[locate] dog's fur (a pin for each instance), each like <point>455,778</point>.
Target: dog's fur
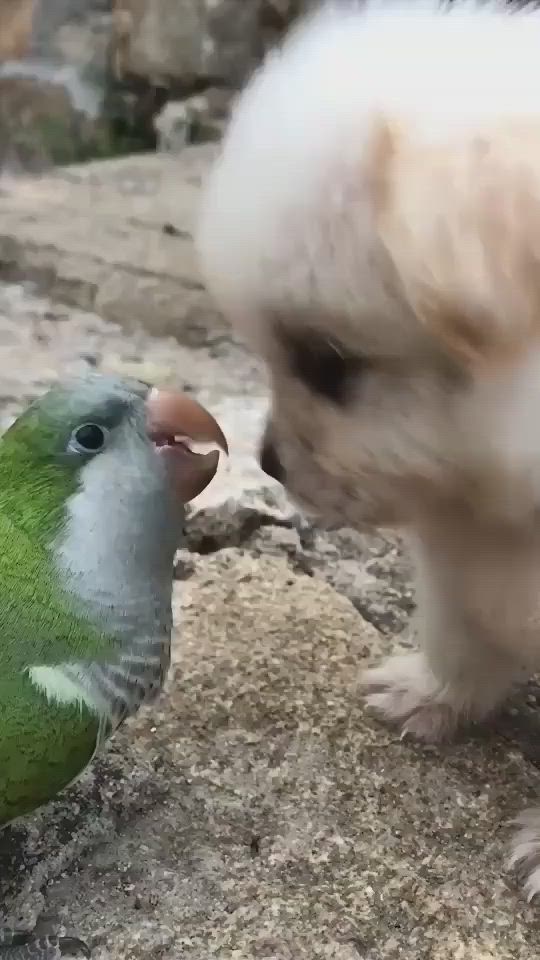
<point>373,228</point>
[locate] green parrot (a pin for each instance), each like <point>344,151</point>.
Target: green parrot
<point>93,480</point>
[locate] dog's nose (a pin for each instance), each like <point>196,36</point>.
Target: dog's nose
<point>270,462</point>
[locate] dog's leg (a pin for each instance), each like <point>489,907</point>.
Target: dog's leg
<point>525,851</point>
<point>466,664</point>
<point>478,627</point>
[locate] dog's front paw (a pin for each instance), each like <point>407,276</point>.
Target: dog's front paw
<point>525,851</point>
<point>403,688</point>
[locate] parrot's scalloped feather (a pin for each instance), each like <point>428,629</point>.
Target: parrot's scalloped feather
<point>64,654</point>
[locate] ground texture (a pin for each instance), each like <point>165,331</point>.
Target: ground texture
<point>258,811</point>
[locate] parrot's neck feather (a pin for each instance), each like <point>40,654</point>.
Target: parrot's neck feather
<point>114,557</point>
<point>109,690</point>
<point>62,689</point>
<point>59,688</point>
<point>116,548</point>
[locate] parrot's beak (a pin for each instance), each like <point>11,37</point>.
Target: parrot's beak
<point>177,425</point>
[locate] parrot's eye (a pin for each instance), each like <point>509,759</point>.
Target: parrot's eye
<point>88,438</point>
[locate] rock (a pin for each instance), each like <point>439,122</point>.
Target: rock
<point>159,40</point>
<point>199,52</point>
<point>75,33</point>
<point>238,36</point>
<point>43,122</point>
<point>52,94</point>
<point>125,251</point>
<point>64,60</point>
<point>117,63</point>
<point>83,46</point>
<point>178,43</point>
<point>197,119</point>
<point>16,17</point>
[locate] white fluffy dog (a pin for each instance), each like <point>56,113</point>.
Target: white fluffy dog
<point>372,226</point>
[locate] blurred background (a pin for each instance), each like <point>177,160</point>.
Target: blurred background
<point>81,79</point>
<point>109,115</point>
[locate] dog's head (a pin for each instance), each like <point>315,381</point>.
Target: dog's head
<point>372,226</point>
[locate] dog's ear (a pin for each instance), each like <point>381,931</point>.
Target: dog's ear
<point>460,224</point>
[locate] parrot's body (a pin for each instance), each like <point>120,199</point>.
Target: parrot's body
<point>89,524</point>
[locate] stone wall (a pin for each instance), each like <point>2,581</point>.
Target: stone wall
<point>86,78</point>
<point>15,27</point>
<point>186,43</point>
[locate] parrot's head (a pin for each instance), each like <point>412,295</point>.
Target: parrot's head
<point>100,468</point>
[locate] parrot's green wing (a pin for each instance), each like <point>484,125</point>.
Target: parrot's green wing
<point>38,621</point>
<point>45,742</point>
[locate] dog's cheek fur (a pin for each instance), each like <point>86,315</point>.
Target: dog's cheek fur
<point>379,458</point>
<point>461,224</point>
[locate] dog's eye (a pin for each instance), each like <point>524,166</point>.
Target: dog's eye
<point>324,366</point>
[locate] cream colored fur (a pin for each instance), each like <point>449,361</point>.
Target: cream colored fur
<point>379,187</point>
